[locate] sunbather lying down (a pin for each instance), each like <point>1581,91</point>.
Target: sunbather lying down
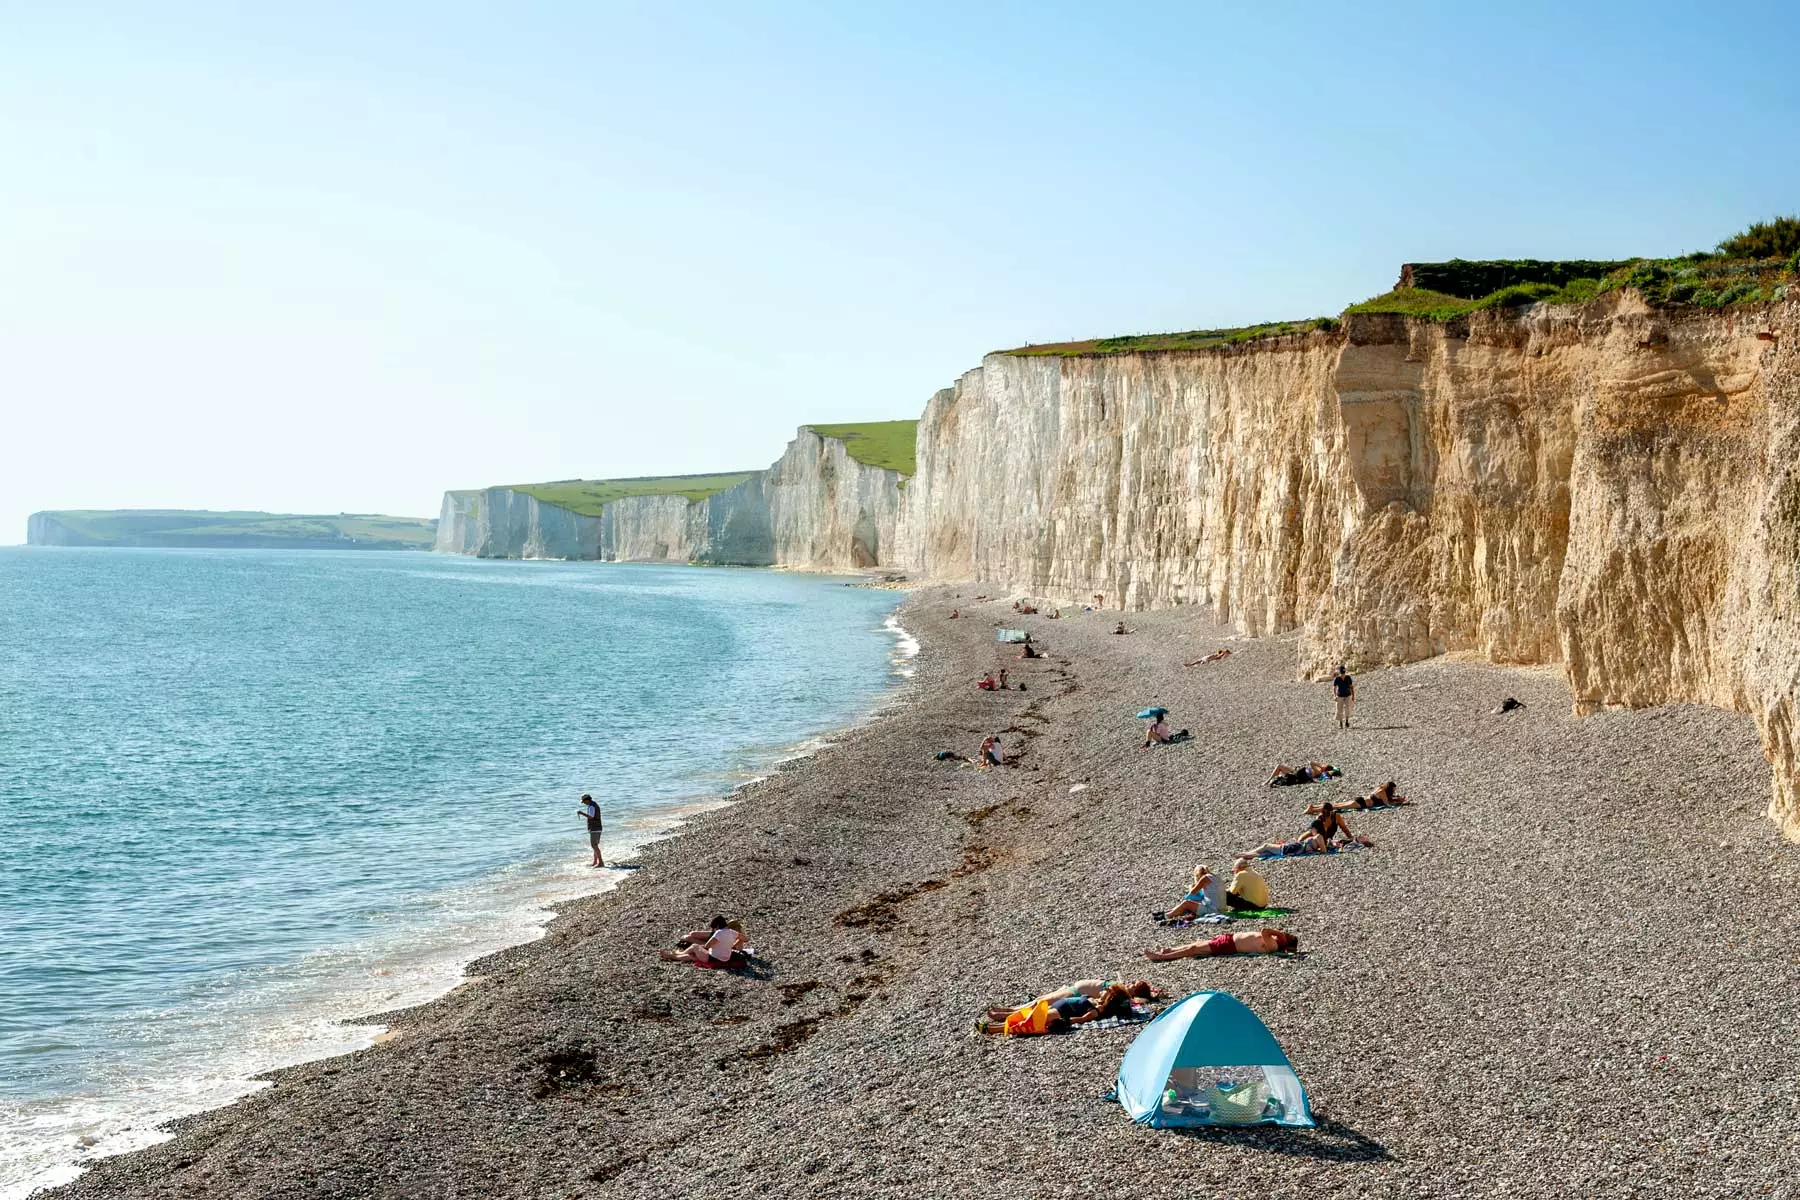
<point>1307,843</point>
<point>1286,776</point>
<point>1385,796</point>
<point>1056,1013</point>
<point>1258,941</point>
<point>1215,656</point>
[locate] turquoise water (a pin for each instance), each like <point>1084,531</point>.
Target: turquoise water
<point>245,794</point>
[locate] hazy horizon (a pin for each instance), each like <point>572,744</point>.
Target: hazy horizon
<point>342,260</point>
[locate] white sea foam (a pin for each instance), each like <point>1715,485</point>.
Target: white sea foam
<point>906,646</point>
<point>309,1011</point>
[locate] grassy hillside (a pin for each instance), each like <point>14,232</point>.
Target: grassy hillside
<point>887,444</point>
<point>200,527</point>
<point>589,496</point>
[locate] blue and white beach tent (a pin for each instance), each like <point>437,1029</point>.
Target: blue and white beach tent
<point>1208,1060</point>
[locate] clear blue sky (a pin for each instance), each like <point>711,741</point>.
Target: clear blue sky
<point>344,256</point>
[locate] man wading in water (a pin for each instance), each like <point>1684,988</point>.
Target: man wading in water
<point>591,811</point>
<point>1344,687</point>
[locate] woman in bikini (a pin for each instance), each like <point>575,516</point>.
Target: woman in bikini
<point>1205,895</point>
<point>1307,843</point>
<point>1259,941</point>
<point>1286,776</point>
<point>1385,796</point>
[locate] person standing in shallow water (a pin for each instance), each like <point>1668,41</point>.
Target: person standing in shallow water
<point>591,812</point>
<point>1344,688</point>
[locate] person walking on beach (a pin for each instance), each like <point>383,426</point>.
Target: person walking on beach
<point>1344,688</point>
<point>591,812</point>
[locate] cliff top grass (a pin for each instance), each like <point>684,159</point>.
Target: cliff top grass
<point>1760,264</point>
<point>589,496</point>
<point>891,445</point>
<point>1192,339</point>
<point>127,525</point>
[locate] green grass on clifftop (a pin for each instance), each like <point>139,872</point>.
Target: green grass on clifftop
<point>891,445</point>
<point>589,496</point>
<point>1192,339</point>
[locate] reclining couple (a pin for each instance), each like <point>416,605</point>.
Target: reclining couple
<point>1327,832</point>
<point>1082,1002</point>
<point>722,943</point>
<point>1208,894</point>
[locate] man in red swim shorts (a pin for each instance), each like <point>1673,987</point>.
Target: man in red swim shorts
<point>1260,941</point>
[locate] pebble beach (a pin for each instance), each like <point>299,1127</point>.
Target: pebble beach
<point>1570,967</point>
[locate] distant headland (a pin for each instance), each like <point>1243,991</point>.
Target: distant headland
<point>238,530</point>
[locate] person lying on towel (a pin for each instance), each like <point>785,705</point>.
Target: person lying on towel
<point>1260,941</point>
<point>1385,796</point>
<point>1045,1015</point>
<point>1308,843</point>
<point>1286,776</point>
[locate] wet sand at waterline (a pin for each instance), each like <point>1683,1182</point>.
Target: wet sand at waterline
<point>1570,967</point>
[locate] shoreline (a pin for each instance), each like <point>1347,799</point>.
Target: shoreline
<point>1455,1013</point>
<point>521,900</point>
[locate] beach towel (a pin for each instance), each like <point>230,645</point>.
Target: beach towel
<point>1205,919</point>
<point>1340,848</point>
<point>1009,635</point>
<point>1139,1014</point>
<point>1260,914</point>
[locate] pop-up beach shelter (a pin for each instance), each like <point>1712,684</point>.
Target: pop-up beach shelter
<point>1208,1060</point>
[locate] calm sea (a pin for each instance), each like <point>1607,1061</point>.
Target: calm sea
<point>247,794</point>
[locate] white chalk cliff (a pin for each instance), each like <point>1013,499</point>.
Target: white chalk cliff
<point>815,508</point>
<point>1605,486</point>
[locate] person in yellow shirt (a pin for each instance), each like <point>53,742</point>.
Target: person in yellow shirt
<point>1248,889</point>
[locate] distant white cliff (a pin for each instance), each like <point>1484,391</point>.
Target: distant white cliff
<point>817,508</point>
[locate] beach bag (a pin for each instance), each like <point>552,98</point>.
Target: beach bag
<point>1240,1105</point>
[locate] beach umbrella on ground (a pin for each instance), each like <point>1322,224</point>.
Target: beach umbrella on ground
<point>1150,714</point>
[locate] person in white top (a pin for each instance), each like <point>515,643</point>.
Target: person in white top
<point>716,944</point>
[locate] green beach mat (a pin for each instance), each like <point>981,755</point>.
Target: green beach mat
<point>1259,914</point>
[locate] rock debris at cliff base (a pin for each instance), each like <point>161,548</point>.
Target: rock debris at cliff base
<point>1570,969</point>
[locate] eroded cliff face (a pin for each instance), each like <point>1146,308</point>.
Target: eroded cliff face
<point>1605,487</point>
<point>815,508</point>
<point>503,523</point>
